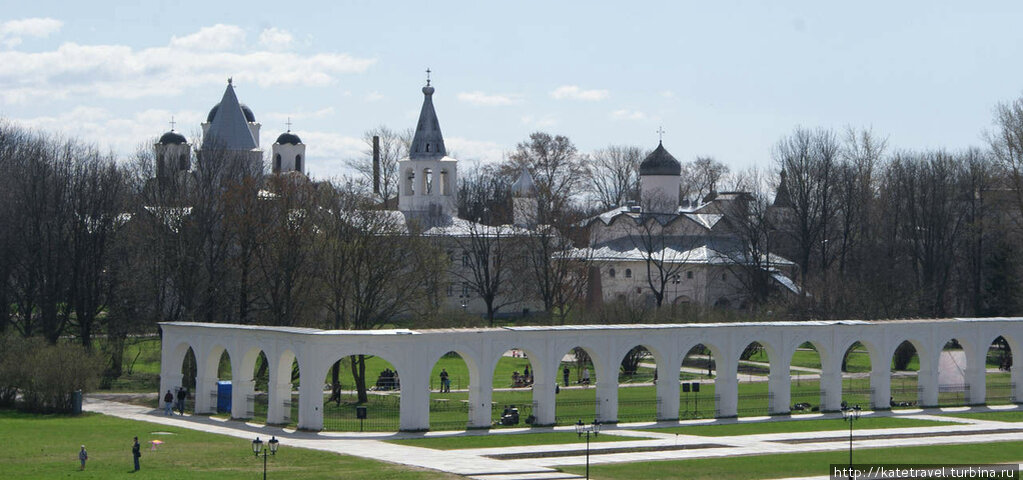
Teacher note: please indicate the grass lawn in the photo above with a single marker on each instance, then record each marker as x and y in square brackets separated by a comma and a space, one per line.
[802, 464]
[515, 440]
[797, 426]
[1012, 416]
[46, 446]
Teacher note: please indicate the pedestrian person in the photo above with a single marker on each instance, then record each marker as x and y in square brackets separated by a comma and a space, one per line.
[564, 374]
[136, 452]
[82, 457]
[445, 382]
[586, 376]
[182, 396]
[168, 403]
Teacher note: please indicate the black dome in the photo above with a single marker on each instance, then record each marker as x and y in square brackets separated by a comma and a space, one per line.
[249, 116]
[289, 137]
[172, 138]
[660, 162]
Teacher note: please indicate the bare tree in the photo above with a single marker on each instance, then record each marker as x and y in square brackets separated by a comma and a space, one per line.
[701, 177]
[394, 146]
[555, 165]
[612, 174]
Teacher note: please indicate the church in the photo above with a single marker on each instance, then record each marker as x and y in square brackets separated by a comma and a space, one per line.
[654, 252]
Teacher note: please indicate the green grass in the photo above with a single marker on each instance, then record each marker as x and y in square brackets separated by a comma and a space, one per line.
[802, 464]
[1011, 416]
[515, 440]
[46, 446]
[797, 426]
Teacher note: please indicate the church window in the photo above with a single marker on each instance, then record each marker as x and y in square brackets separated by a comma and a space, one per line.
[724, 276]
[410, 183]
[628, 273]
[298, 163]
[451, 290]
[277, 163]
[465, 259]
[466, 291]
[689, 274]
[639, 290]
[427, 148]
[611, 273]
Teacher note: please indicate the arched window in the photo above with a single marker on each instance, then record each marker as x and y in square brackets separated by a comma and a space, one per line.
[277, 163]
[628, 273]
[427, 181]
[410, 178]
[611, 273]
[298, 163]
[444, 188]
[427, 148]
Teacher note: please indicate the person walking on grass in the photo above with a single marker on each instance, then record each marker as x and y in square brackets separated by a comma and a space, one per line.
[82, 457]
[564, 374]
[136, 452]
[168, 403]
[182, 396]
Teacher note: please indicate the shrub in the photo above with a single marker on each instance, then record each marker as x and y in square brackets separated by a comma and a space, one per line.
[46, 376]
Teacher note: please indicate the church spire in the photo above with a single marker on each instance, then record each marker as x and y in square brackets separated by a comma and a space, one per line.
[428, 143]
[229, 128]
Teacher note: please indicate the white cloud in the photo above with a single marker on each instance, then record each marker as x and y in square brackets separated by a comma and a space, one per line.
[625, 114]
[481, 99]
[298, 115]
[204, 58]
[211, 39]
[114, 132]
[667, 94]
[539, 122]
[12, 31]
[469, 150]
[374, 97]
[275, 39]
[573, 92]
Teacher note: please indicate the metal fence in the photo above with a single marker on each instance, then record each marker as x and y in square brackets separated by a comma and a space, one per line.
[753, 404]
[382, 414]
[638, 410]
[568, 412]
[1001, 393]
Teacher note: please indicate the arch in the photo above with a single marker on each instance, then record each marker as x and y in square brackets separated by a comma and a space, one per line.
[445, 183]
[805, 377]
[514, 376]
[906, 362]
[611, 272]
[577, 399]
[856, 365]
[298, 163]
[366, 379]
[409, 180]
[637, 380]
[449, 383]
[954, 382]
[755, 395]
[698, 375]
[998, 370]
[427, 182]
[283, 381]
[277, 163]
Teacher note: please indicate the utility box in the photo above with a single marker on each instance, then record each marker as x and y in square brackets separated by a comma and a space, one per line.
[224, 396]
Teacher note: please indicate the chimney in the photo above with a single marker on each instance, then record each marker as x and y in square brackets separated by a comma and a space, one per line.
[376, 165]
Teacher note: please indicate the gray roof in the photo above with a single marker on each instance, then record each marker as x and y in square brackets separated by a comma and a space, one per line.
[660, 162]
[245, 109]
[524, 186]
[229, 129]
[288, 137]
[428, 143]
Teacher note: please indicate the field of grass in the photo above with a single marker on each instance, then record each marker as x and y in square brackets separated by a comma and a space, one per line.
[802, 464]
[1011, 416]
[46, 446]
[797, 426]
[516, 440]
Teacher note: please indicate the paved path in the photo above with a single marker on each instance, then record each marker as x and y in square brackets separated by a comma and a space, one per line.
[538, 462]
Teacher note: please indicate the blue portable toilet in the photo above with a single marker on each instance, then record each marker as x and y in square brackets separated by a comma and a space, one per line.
[224, 396]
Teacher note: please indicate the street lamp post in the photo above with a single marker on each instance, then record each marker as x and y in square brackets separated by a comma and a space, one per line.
[850, 414]
[580, 429]
[257, 447]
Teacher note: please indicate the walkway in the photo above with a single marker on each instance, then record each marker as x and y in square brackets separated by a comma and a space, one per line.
[538, 462]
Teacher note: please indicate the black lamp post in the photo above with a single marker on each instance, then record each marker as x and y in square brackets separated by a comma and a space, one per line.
[580, 429]
[257, 447]
[850, 414]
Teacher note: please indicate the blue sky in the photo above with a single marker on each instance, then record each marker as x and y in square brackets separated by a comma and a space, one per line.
[724, 79]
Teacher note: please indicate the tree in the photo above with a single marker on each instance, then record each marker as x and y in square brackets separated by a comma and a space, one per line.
[555, 165]
[394, 146]
[701, 177]
[612, 174]
[488, 259]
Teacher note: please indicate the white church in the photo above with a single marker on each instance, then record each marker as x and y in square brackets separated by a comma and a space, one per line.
[683, 253]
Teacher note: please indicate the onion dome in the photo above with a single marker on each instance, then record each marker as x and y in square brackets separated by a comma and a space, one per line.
[288, 138]
[172, 138]
[249, 116]
[660, 162]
